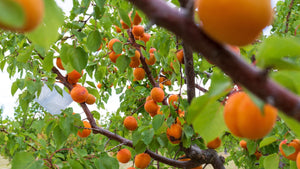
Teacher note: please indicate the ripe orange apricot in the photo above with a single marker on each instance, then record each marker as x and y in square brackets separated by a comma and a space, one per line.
[139, 73]
[298, 160]
[131, 168]
[91, 99]
[243, 144]
[173, 99]
[148, 98]
[142, 160]
[152, 50]
[124, 25]
[174, 133]
[134, 63]
[137, 19]
[118, 30]
[294, 143]
[137, 55]
[79, 94]
[33, 15]
[161, 86]
[59, 63]
[157, 94]
[241, 113]
[238, 24]
[138, 30]
[99, 85]
[151, 107]
[130, 123]
[151, 60]
[124, 155]
[74, 76]
[113, 56]
[179, 56]
[214, 144]
[85, 132]
[145, 37]
[111, 43]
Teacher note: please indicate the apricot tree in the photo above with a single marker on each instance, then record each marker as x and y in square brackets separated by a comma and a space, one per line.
[155, 55]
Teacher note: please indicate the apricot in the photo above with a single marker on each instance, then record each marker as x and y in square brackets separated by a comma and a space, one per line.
[142, 160]
[145, 37]
[161, 86]
[214, 144]
[111, 43]
[244, 119]
[124, 25]
[74, 76]
[148, 98]
[180, 57]
[174, 133]
[137, 19]
[130, 123]
[234, 22]
[85, 132]
[157, 94]
[151, 107]
[130, 168]
[152, 50]
[34, 13]
[124, 155]
[294, 143]
[138, 30]
[173, 99]
[243, 144]
[59, 63]
[118, 30]
[91, 99]
[79, 94]
[99, 85]
[151, 60]
[139, 73]
[134, 63]
[113, 56]
[298, 160]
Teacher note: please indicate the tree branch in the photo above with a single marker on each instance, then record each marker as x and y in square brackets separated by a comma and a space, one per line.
[231, 64]
[288, 16]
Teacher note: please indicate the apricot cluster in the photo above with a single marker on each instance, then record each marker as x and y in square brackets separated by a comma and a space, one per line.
[85, 132]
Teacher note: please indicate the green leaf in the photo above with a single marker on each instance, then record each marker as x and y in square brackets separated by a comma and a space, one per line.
[14, 88]
[122, 63]
[267, 140]
[124, 17]
[277, 52]
[78, 59]
[288, 150]
[271, 161]
[219, 83]
[47, 33]
[26, 160]
[106, 162]
[117, 47]
[188, 131]
[75, 164]
[94, 41]
[100, 73]
[11, 13]
[204, 114]
[157, 121]
[251, 146]
[25, 55]
[291, 123]
[288, 79]
[59, 136]
[147, 136]
[96, 114]
[48, 61]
